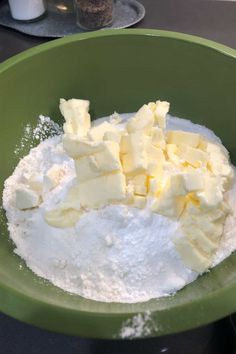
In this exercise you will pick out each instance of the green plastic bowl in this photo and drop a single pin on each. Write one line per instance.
(116, 70)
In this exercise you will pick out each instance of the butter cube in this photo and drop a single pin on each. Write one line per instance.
(35, 181)
(140, 184)
(217, 151)
(190, 255)
(26, 198)
(129, 192)
(52, 177)
(102, 190)
(71, 200)
(212, 229)
(139, 201)
(86, 168)
(162, 108)
(171, 201)
(176, 185)
(178, 137)
(97, 132)
(193, 182)
(112, 136)
(172, 153)
(194, 157)
(109, 158)
(154, 186)
(68, 212)
(219, 164)
(155, 169)
(169, 206)
(125, 143)
(142, 120)
(158, 138)
(102, 162)
(76, 116)
(211, 196)
(156, 160)
(211, 215)
(155, 154)
(135, 161)
(199, 240)
(62, 216)
(77, 147)
(152, 106)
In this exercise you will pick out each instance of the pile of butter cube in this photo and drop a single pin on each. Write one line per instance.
(176, 174)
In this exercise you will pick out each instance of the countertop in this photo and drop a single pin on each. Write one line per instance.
(210, 19)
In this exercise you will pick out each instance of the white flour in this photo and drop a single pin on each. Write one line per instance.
(114, 254)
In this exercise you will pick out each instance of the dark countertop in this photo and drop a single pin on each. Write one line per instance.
(210, 19)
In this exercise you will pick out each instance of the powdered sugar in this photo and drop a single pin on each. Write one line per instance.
(116, 253)
(140, 325)
(45, 128)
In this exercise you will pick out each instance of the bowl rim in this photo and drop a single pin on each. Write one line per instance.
(226, 50)
(77, 318)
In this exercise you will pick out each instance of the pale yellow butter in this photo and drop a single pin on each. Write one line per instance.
(155, 169)
(102, 162)
(171, 200)
(68, 212)
(154, 154)
(154, 186)
(193, 181)
(76, 116)
(142, 120)
(62, 217)
(34, 181)
(193, 156)
(26, 198)
(112, 136)
(156, 160)
(203, 221)
(102, 190)
(78, 147)
(172, 153)
(135, 159)
(178, 137)
(219, 164)
(191, 256)
(158, 138)
(162, 108)
(200, 240)
(139, 201)
(139, 184)
(170, 206)
(212, 196)
(52, 177)
(97, 133)
(179, 173)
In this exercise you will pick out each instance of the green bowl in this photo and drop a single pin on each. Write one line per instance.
(116, 70)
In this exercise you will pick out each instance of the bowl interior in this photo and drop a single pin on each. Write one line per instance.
(115, 70)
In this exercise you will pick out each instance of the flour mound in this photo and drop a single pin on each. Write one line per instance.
(114, 254)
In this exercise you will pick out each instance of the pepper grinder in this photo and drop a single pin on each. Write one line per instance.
(93, 14)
